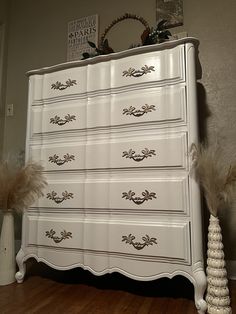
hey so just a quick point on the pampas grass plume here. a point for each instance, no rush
(20, 186)
(216, 179)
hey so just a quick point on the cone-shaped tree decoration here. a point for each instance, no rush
(217, 182)
(217, 297)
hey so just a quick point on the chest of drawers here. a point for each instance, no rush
(113, 134)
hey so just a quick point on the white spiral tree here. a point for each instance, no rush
(217, 297)
(217, 181)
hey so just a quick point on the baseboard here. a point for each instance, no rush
(231, 269)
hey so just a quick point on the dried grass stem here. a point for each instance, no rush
(20, 186)
(216, 179)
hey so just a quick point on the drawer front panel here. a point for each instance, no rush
(61, 232)
(62, 195)
(169, 241)
(60, 83)
(159, 152)
(159, 240)
(56, 157)
(162, 152)
(137, 195)
(161, 105)
(165, 240)
(57, 118)
(150, 67)
(166, 151)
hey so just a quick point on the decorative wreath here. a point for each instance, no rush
(120, 19)
(149, 36)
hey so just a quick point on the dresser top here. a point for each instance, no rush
(117, 55)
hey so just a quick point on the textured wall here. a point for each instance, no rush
(37, 38)
(3, 65)
(214, 23)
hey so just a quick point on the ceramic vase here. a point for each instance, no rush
(217, 296)
(7, 249)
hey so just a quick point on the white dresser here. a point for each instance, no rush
(113, 133)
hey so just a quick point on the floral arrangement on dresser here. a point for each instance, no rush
(150, 35)
(20, 186)
(218, 182)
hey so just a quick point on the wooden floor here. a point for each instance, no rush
(77, 291)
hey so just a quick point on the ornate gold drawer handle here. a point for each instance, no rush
(137, 73)
(137, 199)
(55, 159)
(65, 196)
(138, 112)
(61, 86)
(64, 235)
(138, 157)
(67, 118)
(138, 245)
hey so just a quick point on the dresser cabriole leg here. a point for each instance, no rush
(199, 290)
(22, 267)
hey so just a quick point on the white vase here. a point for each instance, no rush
(7, 249)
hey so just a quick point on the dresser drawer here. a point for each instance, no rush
(57, 231)
(56, 157)
(129, 194)
(165, 151)
(58, 117)
(161, 240)
(164, 105)
(153, 68)
(59, 84)
(161, 105)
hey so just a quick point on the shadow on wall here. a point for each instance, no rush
(203, 109)
(203, 112)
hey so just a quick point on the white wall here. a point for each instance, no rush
(37, 38)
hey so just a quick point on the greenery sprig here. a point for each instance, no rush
(156, 35)
(105, 49)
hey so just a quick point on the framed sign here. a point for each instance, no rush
(170, 10)
(81, 31)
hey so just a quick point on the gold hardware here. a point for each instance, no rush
(138, 157)
(138, 112)
(65, 196)
(137, 199)
(138, 245)
(64, 235)
(55, 159)
(137, 73)
(67, 118)
(61, 86)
